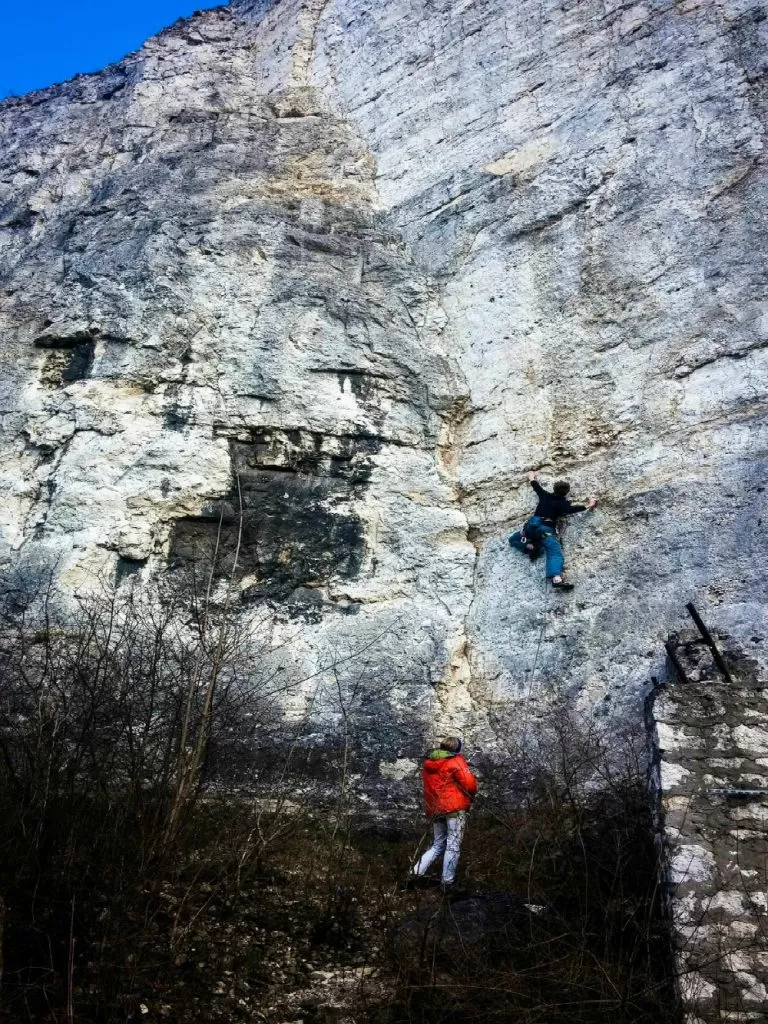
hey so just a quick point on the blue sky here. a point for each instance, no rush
(46, 41)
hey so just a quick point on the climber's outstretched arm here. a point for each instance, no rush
(536, 485)
(571, 509)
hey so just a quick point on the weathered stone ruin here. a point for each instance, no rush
(709, 736)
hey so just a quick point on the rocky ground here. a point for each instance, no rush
(320, 931)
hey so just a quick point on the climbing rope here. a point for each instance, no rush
(539, 641)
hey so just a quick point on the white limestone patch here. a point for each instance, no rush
(402, 768)
(695, 989)
(672, 774)
(752, 989)
(677, 738)
(750, 812)
(751, 738)
(732, 903)
(691, 863)
(523, 159)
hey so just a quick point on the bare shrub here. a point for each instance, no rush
(133, 874)
(109, 709)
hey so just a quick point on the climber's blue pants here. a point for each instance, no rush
(540, 533)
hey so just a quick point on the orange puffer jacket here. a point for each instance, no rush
(449, 785)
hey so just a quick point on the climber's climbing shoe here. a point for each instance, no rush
(562, 585)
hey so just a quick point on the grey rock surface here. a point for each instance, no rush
(355, 268)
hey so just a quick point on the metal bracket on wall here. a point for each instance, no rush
(709, 641)
(672, 653)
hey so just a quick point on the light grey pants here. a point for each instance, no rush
(448, 834)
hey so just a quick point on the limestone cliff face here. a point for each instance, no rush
(357, 266)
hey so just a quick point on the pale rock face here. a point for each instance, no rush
(359, 266)
(692, 864)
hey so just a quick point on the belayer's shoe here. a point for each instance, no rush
(451, 890)
(418, 882)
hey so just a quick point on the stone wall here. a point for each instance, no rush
(710, 776)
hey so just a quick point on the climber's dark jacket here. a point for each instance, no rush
(552, 506)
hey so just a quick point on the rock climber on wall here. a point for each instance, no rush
(541, 529)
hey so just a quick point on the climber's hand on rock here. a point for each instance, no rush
(531, 476)
(592, 502)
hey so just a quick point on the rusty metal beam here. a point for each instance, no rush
(709, 641)
(672, 654)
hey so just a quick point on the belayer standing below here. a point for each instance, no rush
(541, 529)
(449, 789)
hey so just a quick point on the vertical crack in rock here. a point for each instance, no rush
(455, 690)
(310, 13)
